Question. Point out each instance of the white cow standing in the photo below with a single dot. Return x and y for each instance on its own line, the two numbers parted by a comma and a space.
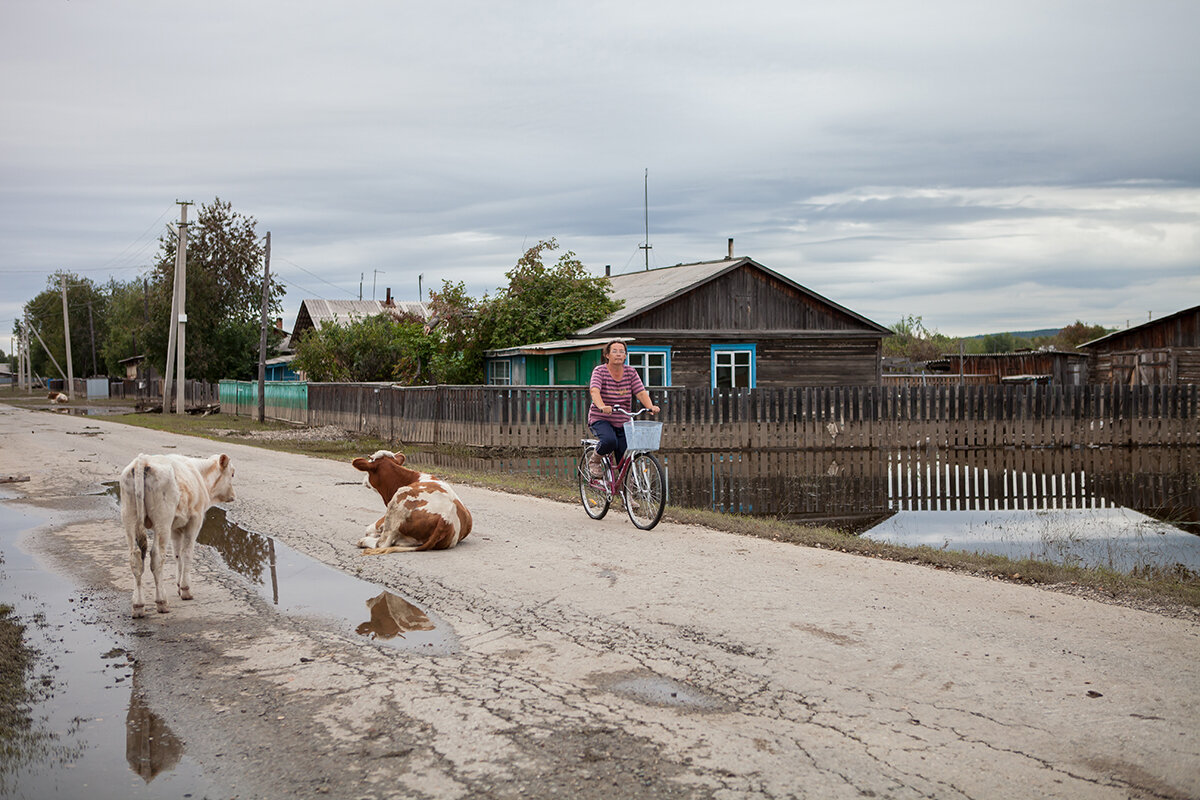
169, 493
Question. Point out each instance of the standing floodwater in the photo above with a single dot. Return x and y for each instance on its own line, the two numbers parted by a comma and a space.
91, 735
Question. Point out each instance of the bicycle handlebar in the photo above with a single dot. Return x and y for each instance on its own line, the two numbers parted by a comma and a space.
629, 414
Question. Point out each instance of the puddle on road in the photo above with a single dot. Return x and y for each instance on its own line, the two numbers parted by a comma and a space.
88, 688
656, 690
301, 585
297, 584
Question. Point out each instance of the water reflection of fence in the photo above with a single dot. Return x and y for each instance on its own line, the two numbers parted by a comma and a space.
856, 488
836, 418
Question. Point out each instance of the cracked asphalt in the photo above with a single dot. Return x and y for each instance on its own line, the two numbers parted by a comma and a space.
593, 660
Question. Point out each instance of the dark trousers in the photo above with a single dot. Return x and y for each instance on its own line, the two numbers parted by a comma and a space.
612, 439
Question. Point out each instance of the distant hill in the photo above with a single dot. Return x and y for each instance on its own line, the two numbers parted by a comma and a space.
1020, 334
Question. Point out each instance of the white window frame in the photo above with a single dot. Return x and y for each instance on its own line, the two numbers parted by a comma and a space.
725, 357
496, 379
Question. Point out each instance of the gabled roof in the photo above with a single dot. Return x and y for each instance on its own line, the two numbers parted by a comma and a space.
647, 289
1149, 324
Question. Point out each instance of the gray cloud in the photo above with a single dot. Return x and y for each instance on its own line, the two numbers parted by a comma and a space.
985, 165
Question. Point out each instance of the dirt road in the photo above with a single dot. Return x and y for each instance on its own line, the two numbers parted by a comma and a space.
594, 660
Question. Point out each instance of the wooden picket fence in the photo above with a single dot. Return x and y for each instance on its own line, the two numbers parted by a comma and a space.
872, 417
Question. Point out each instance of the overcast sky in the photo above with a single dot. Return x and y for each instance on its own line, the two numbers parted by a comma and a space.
985, 165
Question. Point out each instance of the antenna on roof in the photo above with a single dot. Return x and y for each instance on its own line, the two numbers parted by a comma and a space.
647, 246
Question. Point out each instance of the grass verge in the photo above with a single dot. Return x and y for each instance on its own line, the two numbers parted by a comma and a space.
1162, 591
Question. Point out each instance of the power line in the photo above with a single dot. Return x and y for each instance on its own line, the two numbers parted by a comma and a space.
318, 277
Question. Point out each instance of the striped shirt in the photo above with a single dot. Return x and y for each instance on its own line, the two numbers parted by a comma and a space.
615, 392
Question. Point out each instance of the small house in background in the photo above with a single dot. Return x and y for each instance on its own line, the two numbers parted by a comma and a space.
1057, 367
137, 369
1161, 351
343, 312
732, 323
279, 366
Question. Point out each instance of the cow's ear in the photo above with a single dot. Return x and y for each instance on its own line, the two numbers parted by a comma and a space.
399, 458
362, 464
224, 461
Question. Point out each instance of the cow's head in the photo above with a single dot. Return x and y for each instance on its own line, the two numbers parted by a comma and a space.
221, 479
386, 473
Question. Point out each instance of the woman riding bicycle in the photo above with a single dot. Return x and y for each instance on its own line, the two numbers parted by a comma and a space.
613, 384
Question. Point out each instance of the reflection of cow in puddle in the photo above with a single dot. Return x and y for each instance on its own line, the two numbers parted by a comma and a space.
150, 746
391, 616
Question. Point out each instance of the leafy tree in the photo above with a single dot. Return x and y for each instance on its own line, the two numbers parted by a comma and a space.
544, 303
224, 296
378, 348
457, 334
46, 315
1076, 334
910, 339
125, 329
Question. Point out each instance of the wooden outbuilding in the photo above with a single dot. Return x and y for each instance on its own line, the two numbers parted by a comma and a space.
732, 323
1161, 351
1057, 367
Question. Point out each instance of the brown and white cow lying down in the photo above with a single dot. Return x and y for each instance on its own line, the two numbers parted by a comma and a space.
164, 494
58, 397
423, 513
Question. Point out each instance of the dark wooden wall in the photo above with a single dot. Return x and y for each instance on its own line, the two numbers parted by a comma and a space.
781, 361
745, 299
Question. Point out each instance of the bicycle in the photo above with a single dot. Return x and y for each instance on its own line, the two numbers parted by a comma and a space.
638, 478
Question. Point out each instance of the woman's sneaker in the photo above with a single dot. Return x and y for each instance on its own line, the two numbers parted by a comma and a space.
596, 465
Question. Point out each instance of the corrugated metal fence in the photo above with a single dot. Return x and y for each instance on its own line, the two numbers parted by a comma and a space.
764, 419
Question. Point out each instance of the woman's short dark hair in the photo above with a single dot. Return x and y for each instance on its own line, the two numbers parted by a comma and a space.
608, 347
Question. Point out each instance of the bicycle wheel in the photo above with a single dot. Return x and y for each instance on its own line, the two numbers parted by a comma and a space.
645, 491
591, 492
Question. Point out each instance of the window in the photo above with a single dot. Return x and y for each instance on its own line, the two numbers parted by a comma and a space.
500, 372
733, 366
653, 365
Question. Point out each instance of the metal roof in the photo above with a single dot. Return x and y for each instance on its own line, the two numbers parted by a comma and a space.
343, 312
560, 346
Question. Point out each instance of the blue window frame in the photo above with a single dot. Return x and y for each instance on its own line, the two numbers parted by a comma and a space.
733, 366
653, 365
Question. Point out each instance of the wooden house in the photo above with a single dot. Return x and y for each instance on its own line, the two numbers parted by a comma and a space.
1161, 351
732, 323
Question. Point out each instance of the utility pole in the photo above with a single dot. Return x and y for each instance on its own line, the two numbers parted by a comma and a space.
262, 342
67, 339
360, 282
92, 329
374, 278
174, 326
647, 246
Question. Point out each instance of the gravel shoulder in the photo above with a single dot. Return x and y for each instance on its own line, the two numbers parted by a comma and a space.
594, 659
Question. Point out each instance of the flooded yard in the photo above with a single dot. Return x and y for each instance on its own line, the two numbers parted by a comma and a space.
1125, 509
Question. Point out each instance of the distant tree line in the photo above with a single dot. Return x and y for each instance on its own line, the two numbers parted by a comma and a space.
912, 341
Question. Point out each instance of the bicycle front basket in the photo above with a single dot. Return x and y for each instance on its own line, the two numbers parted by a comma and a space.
643, 434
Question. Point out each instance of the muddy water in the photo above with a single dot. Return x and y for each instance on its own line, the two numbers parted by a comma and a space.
297, 584
101, 739
104, 742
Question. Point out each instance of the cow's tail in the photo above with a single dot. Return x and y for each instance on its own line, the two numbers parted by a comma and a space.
140, 468
382, 551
